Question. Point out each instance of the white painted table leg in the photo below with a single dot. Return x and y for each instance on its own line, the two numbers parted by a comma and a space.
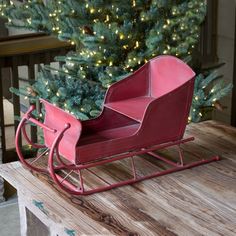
1, 180
23, 217
1, 189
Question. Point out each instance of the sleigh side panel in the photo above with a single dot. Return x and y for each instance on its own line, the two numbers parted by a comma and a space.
108, 119
57, 119
107, 144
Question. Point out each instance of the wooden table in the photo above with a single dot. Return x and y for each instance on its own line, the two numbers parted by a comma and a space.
199, 201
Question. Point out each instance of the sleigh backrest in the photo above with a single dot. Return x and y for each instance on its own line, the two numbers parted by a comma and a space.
171, 83
166, 74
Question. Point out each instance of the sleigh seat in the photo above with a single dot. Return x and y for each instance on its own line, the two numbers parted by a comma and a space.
144, 112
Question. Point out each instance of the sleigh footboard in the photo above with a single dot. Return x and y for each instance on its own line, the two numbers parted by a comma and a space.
58, 124
57, 119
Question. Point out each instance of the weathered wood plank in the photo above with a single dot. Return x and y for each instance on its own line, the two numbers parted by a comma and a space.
32, 190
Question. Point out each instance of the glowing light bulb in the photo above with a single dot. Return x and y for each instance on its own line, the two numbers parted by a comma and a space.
136, 44
121, 36
107, 18
165, 52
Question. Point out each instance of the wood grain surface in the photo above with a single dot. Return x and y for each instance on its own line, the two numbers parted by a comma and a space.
198, 201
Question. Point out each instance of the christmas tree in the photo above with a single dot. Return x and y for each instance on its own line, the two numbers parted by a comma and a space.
112, 38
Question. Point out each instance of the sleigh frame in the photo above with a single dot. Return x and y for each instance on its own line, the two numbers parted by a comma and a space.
132, 123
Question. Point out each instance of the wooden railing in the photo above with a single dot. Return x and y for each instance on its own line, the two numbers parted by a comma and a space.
24, 50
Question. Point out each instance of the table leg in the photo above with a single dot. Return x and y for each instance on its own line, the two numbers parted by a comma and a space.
23, 217
2, 199
32, 220
2, 135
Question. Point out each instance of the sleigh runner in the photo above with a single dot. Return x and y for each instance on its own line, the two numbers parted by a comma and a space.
145, 112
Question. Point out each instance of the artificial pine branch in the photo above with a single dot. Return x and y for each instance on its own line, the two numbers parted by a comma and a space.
114, 38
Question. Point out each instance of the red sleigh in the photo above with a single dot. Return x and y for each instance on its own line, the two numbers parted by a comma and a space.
144, 112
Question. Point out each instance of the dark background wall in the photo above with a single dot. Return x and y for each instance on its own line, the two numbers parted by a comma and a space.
225, 52
3, 30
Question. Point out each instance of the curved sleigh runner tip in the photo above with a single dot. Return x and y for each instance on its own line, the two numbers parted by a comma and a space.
143, 113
